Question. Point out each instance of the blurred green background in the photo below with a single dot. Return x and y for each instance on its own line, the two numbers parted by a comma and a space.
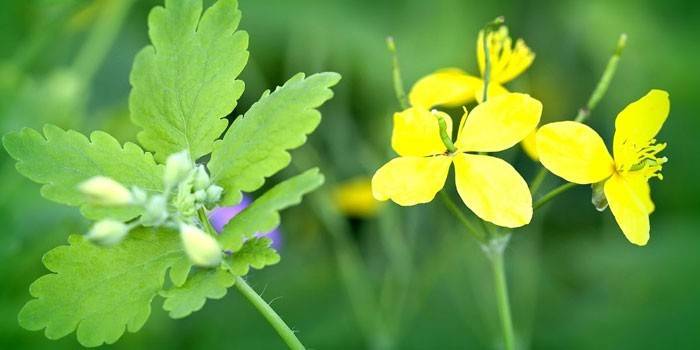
417, 281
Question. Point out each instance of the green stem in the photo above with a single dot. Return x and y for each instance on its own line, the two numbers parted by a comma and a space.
396, 74
444, 136
604, 82
538, 180
471, 228
270, 315
494, 251
553, 193
263, 307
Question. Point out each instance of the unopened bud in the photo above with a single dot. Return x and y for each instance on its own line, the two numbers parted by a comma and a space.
156, 211
177, 167
200, 196
139, 196
201, 178
107, 232
102, 190
214, 193
202, 249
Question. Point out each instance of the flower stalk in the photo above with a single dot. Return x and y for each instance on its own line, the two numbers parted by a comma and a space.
494, 251
285, 333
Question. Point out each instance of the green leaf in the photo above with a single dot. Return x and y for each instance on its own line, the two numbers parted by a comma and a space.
61, 160
100, 291
185, 82
256, 145
180, 302
256, 252
262, 215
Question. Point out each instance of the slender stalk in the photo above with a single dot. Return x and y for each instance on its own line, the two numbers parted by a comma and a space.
604, 82
478, 234
553, 193
495, 254
396, 74
538, 180
260, 304
270, 315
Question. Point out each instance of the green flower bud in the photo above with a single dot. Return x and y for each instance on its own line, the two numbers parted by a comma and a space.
200, 196
102, 190
202, 249
156, 212
177, 168
139, 196
107, 232
214, 193
201, 178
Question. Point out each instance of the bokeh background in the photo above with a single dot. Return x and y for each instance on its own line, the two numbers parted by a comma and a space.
377, 278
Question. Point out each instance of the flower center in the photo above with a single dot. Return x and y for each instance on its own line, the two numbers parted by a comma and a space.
646, 160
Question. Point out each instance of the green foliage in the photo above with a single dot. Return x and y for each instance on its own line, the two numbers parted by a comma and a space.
263, 214
100, 291
256, 145
256, 252
184, 86
60, 160
202, 285
185, 83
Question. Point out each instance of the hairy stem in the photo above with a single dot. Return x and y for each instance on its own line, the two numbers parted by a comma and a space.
495, 251
254, 298
270, 315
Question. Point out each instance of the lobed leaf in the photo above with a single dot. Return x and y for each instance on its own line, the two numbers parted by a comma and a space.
100, 292
256, 145
184, 84
181, 301
61, 160
263, 214
256, 252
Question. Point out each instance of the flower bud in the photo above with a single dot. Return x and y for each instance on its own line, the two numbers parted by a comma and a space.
201, 178
177, 167
202, 249
200, 196
156, 211
107, 232
102, 190
214, 193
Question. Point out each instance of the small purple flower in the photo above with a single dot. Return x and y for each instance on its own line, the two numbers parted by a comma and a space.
220, 216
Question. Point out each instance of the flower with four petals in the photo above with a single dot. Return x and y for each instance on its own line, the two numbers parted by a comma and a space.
489, 186
578, 154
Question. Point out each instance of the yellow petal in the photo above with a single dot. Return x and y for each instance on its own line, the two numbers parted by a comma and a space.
495, 89
410, 180
499, 123
638, 123
530, 146
417, 132
493, 190
574, 151
628, 203
449, 87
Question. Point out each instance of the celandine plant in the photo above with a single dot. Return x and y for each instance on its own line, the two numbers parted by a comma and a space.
152, 234
500, 199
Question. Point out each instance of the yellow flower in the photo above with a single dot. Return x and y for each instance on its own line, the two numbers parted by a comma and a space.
453, 87
489, 186
354, 198
577, 153
530, 147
